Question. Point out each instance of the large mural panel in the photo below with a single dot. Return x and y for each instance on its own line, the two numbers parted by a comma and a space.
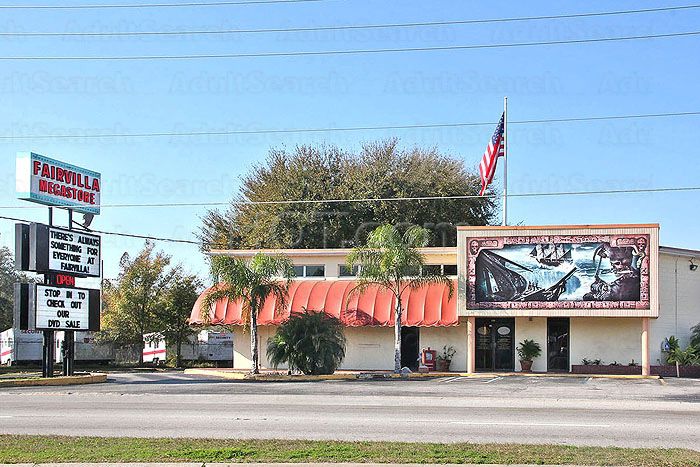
558, 271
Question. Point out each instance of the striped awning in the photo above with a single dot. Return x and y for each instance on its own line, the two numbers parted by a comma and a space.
430, 305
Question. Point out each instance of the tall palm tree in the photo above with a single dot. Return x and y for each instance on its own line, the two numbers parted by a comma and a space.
393, 262
251, 282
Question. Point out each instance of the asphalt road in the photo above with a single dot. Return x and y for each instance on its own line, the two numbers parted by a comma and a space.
578, 411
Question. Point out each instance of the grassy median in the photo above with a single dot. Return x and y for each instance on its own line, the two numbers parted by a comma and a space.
40, 449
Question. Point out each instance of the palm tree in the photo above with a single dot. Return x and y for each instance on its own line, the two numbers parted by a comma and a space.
311, 342
393, 262
251, 282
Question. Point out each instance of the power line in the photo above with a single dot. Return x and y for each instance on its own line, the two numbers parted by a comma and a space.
120, 234
370, 200
426, 198
150, 5
349, 128
345, 27
346, 52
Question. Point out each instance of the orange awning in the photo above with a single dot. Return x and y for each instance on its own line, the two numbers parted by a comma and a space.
427, 306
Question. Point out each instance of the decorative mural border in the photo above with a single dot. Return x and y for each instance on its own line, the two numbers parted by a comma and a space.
640, 242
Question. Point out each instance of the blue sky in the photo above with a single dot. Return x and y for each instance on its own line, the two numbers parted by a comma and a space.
650, 76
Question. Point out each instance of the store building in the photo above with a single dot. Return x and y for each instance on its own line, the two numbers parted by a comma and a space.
605, 292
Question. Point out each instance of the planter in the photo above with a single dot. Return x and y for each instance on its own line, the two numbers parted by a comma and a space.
442, 365
686, 371
606, 370
526, 365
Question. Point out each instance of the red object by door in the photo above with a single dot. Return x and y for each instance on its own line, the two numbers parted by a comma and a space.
428, 358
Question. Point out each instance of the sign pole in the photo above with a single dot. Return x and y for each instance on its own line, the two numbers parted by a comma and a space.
69, 336
47, 356
505, 160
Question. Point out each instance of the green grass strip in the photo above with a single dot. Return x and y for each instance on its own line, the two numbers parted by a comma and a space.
45, 449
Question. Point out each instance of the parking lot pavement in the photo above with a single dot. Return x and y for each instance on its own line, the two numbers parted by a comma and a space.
566, 410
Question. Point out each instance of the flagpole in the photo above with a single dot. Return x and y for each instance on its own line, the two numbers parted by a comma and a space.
505, 160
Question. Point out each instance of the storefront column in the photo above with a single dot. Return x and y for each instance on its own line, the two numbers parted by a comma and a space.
646, 369
471, 343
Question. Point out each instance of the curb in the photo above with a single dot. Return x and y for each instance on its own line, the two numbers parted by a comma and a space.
56, 381
240, 375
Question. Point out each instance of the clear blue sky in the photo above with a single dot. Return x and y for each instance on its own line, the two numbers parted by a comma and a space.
648, 76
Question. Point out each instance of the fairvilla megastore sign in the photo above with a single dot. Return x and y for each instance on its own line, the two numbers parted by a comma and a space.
60, 254
582, 292
54, 183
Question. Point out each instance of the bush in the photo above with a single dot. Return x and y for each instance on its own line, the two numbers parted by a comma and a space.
687, 356
311, 342
529, 349
695, 336
676, 355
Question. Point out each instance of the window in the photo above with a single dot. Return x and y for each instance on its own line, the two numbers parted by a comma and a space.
449, 269
315, 271
343, 271
412, 272
437, 269
310, 271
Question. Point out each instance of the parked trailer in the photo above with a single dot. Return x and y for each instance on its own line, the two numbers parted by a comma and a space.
154, 350
87, 349
17, 346
209, 346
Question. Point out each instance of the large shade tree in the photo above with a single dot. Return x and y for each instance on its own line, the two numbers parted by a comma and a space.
131, 303
8, 277
178, 300
319, 173
391, 260
250, 282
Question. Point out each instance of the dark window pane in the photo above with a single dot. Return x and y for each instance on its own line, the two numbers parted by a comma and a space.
299, 271
315, 271
412, 272
432, 269
343, 271
450, 269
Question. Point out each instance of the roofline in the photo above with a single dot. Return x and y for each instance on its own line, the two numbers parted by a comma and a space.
440, 250
557, 227
671, 250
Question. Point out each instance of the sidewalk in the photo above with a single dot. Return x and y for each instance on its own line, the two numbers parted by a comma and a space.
347, 375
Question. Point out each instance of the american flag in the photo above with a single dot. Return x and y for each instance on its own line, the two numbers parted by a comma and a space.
487, 168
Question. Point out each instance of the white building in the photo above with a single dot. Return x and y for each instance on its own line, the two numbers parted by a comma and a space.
485, 326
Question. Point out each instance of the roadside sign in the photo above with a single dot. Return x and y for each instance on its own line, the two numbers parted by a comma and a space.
55, 250
64, 308
43, 180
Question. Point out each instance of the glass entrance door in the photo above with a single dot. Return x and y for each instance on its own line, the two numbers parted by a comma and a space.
410, 348
558, 344
494, 344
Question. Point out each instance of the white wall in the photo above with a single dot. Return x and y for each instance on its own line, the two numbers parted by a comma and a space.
678, 312
455, 336
241, 347
368, 347
609, 339
537, 331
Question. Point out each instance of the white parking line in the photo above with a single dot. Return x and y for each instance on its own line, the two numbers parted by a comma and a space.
5, 416
492, 380
576, 425
450, 379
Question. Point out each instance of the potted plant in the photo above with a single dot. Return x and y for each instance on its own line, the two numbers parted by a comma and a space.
527, 350
444, 360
